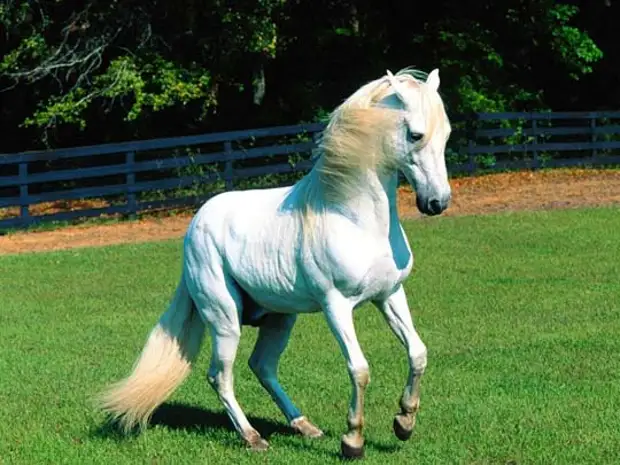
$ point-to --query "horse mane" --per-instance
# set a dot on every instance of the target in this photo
(356, 139)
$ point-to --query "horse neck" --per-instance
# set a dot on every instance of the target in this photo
(373, 201)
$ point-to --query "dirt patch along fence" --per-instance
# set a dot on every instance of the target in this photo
(132, 177)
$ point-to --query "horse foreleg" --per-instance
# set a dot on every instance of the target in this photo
(273, 337)
(396, 311)
(339, 314)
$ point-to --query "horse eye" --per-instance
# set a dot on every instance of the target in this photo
(414, 137)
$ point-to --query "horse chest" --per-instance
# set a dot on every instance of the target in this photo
(383, 277)
(374, 277)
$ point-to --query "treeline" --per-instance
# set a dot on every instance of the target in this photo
(74, 73)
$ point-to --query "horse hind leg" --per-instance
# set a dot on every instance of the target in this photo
(220, 305)
(220, 377)
(273, 336)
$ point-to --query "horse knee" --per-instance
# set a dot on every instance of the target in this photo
(254, 364)
(215, 382)
(262, 370)
(219, 375)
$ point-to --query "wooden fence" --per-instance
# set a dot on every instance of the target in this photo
(537, 140)
(132, 177)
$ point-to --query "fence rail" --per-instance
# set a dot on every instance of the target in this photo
(136, 176)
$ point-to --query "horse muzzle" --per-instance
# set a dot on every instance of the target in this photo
(433, 205)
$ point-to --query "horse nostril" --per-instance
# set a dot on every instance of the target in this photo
(435, 206)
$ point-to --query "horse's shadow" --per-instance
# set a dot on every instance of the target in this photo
(179, 416)
(184, 417)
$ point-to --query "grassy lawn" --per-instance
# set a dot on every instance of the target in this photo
(520, 313)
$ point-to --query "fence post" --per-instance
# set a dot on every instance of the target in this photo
(535, 160)
(130, 180)
(228, 167)
(24, 213)
(593, 135)
(471, 134)
(316, 138)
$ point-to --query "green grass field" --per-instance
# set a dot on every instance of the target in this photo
(520, 313)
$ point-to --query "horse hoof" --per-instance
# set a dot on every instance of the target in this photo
(351, 451)
(257, 444)
(403, 427)
(306, 429)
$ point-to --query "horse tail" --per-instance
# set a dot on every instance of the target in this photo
(166, 360)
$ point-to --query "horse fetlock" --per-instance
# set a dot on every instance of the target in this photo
(355, 421)
(409, 404)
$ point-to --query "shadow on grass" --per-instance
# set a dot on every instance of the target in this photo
(184, 417)
(179, 416)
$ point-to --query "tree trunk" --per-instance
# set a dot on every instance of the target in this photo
(259, 84)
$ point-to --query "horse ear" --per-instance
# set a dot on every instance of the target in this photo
(398, 87)
(433, 79)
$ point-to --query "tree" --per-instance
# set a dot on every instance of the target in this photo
(132, 59)
(118, 70)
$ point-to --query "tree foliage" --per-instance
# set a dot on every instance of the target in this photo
(103, 70)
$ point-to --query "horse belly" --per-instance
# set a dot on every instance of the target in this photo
(284, 303)
(271, 290)
(255, 311)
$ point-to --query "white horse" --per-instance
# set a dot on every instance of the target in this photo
(328, 243)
